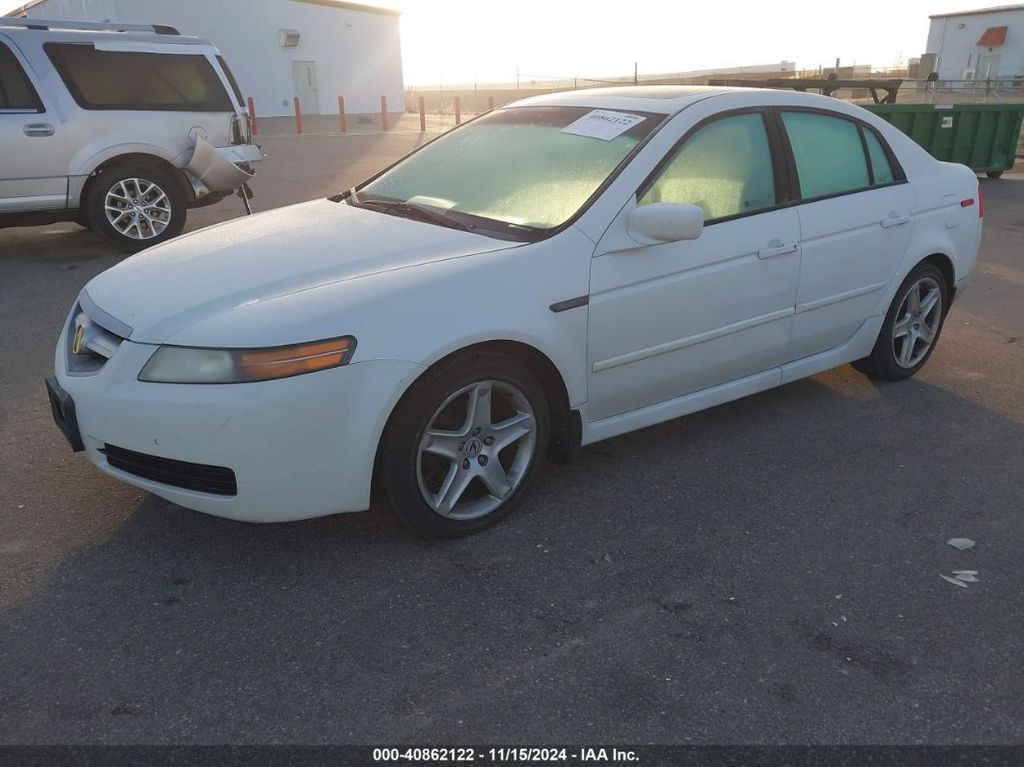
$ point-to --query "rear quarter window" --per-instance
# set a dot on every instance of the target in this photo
(880, 164)
(139, 81)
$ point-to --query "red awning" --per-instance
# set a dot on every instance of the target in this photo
(993, 36)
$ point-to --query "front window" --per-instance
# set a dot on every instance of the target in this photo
(725, 168)
(16, 92)
(522, 170)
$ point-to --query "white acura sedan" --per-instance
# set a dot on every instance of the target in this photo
(554, 273)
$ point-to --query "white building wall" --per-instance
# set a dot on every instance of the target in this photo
(357, 53)
(954, 39)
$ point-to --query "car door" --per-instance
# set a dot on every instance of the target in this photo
(33, 171)
(674, 318)
(855, 218)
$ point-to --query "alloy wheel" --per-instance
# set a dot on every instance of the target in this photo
(476, 450)
(917, 322)
(138, 208)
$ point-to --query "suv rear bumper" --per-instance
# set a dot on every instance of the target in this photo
(221, 169)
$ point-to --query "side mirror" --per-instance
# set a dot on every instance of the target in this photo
(665, 222)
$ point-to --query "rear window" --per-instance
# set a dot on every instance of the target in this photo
(231, 80)
(139, 81)
(16, 91)
(828, 152)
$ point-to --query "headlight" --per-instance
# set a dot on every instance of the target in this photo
(183, 365)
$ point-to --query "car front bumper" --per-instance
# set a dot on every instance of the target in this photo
(298, 447)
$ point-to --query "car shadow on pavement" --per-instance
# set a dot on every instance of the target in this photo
(763, 572)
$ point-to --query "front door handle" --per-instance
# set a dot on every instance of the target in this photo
(38, 130)
(781, 250)
(894, 219)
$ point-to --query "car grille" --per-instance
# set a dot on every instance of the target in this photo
(216, 480)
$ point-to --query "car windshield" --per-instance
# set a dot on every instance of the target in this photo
(519, 171)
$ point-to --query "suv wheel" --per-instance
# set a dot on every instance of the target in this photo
(463, 444)
(911, 327)
(136, 206)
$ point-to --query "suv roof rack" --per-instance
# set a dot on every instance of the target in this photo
(89, 26)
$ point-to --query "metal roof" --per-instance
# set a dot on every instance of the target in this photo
(993, 36)
(978, 12)
(23, 9)
(352, 7)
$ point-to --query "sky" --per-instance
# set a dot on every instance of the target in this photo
(467, 41)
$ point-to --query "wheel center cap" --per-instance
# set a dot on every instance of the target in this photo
(473, 447)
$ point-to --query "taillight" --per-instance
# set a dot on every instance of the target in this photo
(238, 134)
(981, 201)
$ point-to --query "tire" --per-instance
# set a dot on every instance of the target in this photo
(465, 455)
(890, 360)
(994, 174)
(142, 225)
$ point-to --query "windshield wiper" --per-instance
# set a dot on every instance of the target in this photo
(412, 211)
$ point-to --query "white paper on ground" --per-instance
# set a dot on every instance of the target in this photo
(963, 544)
(603, 124)
(954, 581)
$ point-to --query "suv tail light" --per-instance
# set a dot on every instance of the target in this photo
(239, 130)
(981, 201)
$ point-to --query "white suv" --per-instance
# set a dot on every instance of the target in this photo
(121, 128)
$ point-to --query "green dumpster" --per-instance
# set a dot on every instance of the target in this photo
(982, 136)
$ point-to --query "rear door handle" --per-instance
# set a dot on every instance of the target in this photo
(781, 250)
(894, 220)
(38, 130)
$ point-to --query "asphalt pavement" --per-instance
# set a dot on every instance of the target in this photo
(763, 572)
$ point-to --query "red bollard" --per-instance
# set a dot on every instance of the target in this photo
(384, 112)
(423, 116)
(490, 103)
(342, 117)
(298, 117)
(458, 111)
(252, 117)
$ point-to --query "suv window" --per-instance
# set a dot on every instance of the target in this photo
(16, 92)
(725, 167)
(880, 166)
(231, 79)
(828, 152)
(139, 81)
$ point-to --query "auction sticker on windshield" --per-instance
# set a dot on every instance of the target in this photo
(603, 124)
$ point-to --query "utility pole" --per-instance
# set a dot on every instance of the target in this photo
(517, 78)
(635, 71)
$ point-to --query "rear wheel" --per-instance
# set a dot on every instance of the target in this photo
(911, 327)
(136, 206)
(463, 444)
(994, 174)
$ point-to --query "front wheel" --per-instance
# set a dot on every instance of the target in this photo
(463, 444)
(911, 327)
(136, 206)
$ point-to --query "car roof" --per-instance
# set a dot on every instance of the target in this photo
(670, 99)
(660, 99)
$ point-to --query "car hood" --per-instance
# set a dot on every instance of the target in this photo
(162, 291)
